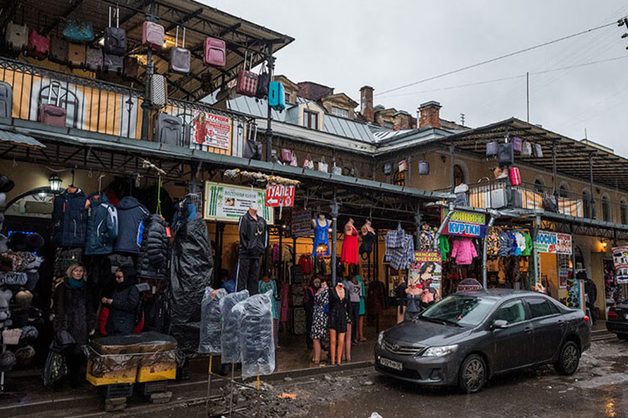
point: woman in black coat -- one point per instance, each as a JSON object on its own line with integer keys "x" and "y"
{"x": 123, "y": 303}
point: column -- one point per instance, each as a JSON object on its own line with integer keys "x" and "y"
{"x": 335, "y": 207}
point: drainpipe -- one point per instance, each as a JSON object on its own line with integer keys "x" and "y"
{"x": 417, "y": 224}
{"x": 270, "y": 63}
{"x": 452, "y": 181}
{"x": 535, "y": 253}
{"x": 442, "y": 226}
{"x": 335, "y": 207}
{"x": 484, "y": 255}
{"x": 146, "y": 105}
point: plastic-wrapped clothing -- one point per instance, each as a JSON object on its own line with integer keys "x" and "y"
{"x": 211, "y": 321}
{"x": 231, "y": 322}
{"x": 191, "y": 269}
{"x": 153, "y": 260}
{"x": 256, "y": 336}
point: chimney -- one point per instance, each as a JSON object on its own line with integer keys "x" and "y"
{"x": 429, "y": 115}
{"x": 402, "y": 120}
{"x": 366, "y": 103}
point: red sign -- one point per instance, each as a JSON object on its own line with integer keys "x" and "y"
{"x": 279, "y": 195}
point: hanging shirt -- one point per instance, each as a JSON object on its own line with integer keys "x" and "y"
{"x": 529, "y": 245}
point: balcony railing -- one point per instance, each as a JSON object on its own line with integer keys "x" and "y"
{"x": 113, "y": 109}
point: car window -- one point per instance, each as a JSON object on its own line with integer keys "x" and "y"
{"x": 464, "y": 310}
{"x": 541, "y": 307}
{"x": 512, "y": 312}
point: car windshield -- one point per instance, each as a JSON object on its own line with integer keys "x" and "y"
{"x": 464, "y": 310}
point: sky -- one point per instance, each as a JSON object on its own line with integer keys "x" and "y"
{"x": 351, "y": 43}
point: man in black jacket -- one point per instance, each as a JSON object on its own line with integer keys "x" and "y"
{"x": 253, "y": 242}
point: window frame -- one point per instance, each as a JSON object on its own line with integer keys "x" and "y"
{"x": 607, "y": 210}
{"x": 308, "y": 115}
{"x": 529, "y": 301}
{"x": 623, "y": 211}
{"x": 526, "y": 314}
{"x": 587, "y": 208}
{"x": 340, "y": 112}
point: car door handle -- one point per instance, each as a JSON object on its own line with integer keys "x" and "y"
{"x": 561, "y": 323}
{"x": 528, "y": 330}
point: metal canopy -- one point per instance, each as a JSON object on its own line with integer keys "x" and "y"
{"x": 243, "y": 38}
{"x": 572, "y": 157}
{"x": 19, "y": 139}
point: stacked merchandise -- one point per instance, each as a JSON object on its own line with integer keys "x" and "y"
{"x": 297, "y": 290}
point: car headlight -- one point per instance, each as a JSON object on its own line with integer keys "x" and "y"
{"x": 440, "y": 351}
{"x": 380, "y": 338}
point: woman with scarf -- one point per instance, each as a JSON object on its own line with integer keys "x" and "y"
{"x": 123, "y": 303}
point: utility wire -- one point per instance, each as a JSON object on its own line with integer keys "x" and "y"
{"x": 468, "y": 67}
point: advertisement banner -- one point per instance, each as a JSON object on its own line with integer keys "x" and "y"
{"x": 426, "y": 270}
{"x": 465, "y": 224}
{"x": 224, "y": 202}
{"x": 301, "y": 224}
{"x": 620, "y": 260}
{"x": 279, "y": 195}
{"x": 211, "y": 130}
{"x": 546, "y": 242}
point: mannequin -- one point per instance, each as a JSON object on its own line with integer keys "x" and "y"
{"x": 321, "y": 234}
{"x": 414, "y": 294}
{"x": 337, "y": 322}
{"x": 349, "y": 252}
{"x": 253, "y": 242}
{"x": 368, "y": 239}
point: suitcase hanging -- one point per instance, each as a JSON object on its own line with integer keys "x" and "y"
{"x": 276, "y": 96}
{"x": 491, "y": 148}
{"x": 52, "y": 114}
{"x": 6, "y": 100}
{"x": 179, "y": 57}
{"x": 424, "y": 168}
{"x": 113, "y": 63}
{"x": 158, "y": 91}
{"x": 505, "y": 154}
{"x": 153, "y": 35}
{"x": 131, "y": 67}
{"x": 93, "y": 59}
{"x": 247, "y": 80}
{"x": 263, "y": 82}
{"x": 515, "y": 176}
{"x": 168, "y": 129}
{"x": 215, "y": 52}
{"x": 517, "y": 144}
{"x": 16, "y": 36}
{"x": 115, "y": 38}
{"x": 76, "y": 55}
{"x": 59, "y": 49}
{"x": 38, "y": 45}
{"x": 206, "y": 82}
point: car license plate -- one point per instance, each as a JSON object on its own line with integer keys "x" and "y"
{"x": 391, "y": 364}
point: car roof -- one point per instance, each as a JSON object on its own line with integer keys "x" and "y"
{"x": 499, "y": 293}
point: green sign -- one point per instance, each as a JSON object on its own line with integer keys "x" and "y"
{"x": 224, "y": 202}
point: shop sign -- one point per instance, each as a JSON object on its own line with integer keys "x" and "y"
{"x": 563, "y": 244}
{"x": 465, "y": 224}
{"x": 224, "y": 202}
{"x": 620, "y": 259}
{"x": 211, "y": 130}
{"x": 467, "y": 285}
{"x": 426, "y": 270}
{"x": 551, "y": 242}
{"x": 301, "y": 225}
{"x": 279, "y": 195}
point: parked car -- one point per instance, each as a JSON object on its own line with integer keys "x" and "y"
{"x": 468, "y": 337}
{"x": 617, "y": 320}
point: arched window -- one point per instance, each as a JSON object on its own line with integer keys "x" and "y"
{"x": 63, "y": 98}
{"x": 459, "y": 176}
{"x": 606, "y": 208}
{"x": 623, "y": 210}
{"x": 399, "y": 178}
{"x": 586, "y": 204}
{"x": 563, "y": 190}
{"x": 539, "y": 186}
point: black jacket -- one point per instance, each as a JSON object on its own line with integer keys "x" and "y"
{"x": 153, "y": 259}
{"x": 73, "y": 312}
{"x": 121, "y": 320}
{"x": 69, "y": 218}
{"x": 253, "y": 236}
{"x": 131, "y": 216}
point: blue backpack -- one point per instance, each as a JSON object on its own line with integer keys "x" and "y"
{"x": 276, "y": 96}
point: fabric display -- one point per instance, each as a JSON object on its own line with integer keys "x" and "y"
{"x": 427, "y": 237}
{"x": 399, "y": 248}
{"x": 321, "y": 238}
{"x": 463, "y": 251}
{"x": 305, "y": 261}
{"x": 349, "y": 252}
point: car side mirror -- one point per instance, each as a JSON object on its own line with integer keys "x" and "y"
{"x": 499, "y": 324}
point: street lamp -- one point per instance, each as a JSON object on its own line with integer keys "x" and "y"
{"x": 55, "y": 182}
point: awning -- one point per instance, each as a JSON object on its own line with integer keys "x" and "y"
{"x": 19, "y": 139}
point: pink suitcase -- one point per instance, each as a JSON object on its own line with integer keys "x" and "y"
{"x": 52, "y": 114}
{"x": 515, "y": 176}
{"x": 215, "y": 52}
{"x": 153, "y": 35}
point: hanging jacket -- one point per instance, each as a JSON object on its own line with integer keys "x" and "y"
{"x": 463, "y": 251}
{"x": 504, "y": 244}
{"x": 69, "y": 219}
{"x": 102, "y": 225}
{"x": 529, "y": 245}
{"x": 253, "y": 236}
{"x": 521, "y": 243}
{"x": 131, "y": 216}
{"x": 493, "y": 243}
{"x": 153, "y": 260}
{"x": 444, "y": 246}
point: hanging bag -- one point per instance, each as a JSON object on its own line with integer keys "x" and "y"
{"x": 53, "y": 114}
{"x": 153, "y": 35}
{"x": 247, "y": 80}
{"x": 252, "y": 148}
{"x": 387, "y": 168}
{"x": 337, "y": 170}
{"x": 38, "y": 45}
{"x": 322, "y": 166}
{"x": 263, "y": 80}
{"x": 215, "y": 52}
{"x": 179, "y": 57}
{"x": 93, "y": 59}
{"x": 286, "y": 155}
{"x": 515, "y": 176}
{"x": 516, "y": 144}
{"x": 424, "y": 168}
{"x": 492, "y": 148}
{"x": 538, "y": 151}
{"x": 308, "y": 162}
{"x": 276, "y": 96}
{"x": 402, "y": 166}
{"x": 505, "y": 154}
{"x": 78, "y": 30}
{"x": 115, "y": 37}
{"x": 526, "y": 149}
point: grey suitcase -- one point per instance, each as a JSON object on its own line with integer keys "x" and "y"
{"x": 6, "y": 100}
{"x": 93, "y": 59}
{"x": 113, "y": 63}
{"x": 16, "y": 36}
{"x": 499, "y": 198}
{"x": 179, "y": 57}
{"x": 168, "y": 129}
{"x": 517, "y": 199}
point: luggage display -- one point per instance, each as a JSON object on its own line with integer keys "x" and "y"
{"x": 113, "y": 63}
{"x": 59, "y": 49}
{"x": 115, "y": 37}
{"x": 206, "y": 82}
{"x": 38, "y": 45}
{"x": 168, "y": 129}
{"x": 538, "y": 151}
{"x": 93, "y": 59}
{"x": 387, "y": 168}
{"x": 179, "y": 57}
{"x": 52, "y": 114}
{"x": 215, "y": 52}
{"x": 158, "y": 90}
{"x": 6, "y": 100}
{"x": 402, "y": 166}
{"x": 515, "y": 176}
{"x": 131, "y": 67}
{"x": 16, "y": 36}
{"x": 516, "y": 200}
{"x": 76, "y": 55}
{"x": 78, "y": 30}
{"x": 153, "y": 35}
{"x": 252, "y": 147}
{"x": 276, "y": 96}
{"x": 526, "y": 149}
{"x": 517, "y": 144}
{"x": 499, "y": 198}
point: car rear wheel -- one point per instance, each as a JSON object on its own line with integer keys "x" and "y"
{"x": 568, "y": 360}
{"x": 473, "y": 374}
{"x": 623, "y": 337}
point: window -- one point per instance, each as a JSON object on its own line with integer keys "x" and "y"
{"x": 586, "y": 204}
{"x": 310, "y": 119}
{"x": 511, "y": 312}
{"x": 399, "y": 179}
{"x": 459, "y": 177}
{"x": 541, "y": 307}
{"x": 539, "y": 186}
{"x": 462, "y": 309}
{"x": 623, "y": 210}
{"x": 606, "y": 208}
{"x": 338, "y": 111}
{"x": 562, "y": 191}
{"x": 287, "y": 97}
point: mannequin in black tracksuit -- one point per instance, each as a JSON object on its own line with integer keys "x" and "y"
{"x": 253, "y": 243}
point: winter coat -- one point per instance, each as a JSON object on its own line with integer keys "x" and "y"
{"x": 253, "y": 236}
{"x": 131, "y": 216}
{"x": 121, "y": 320}
{"x": 464, "y": 251}
{"x": 69, "y": 219}
{"x": 102, "y": 226}
{"x": 73, "y": 312}
{"x": 153, "y": 259}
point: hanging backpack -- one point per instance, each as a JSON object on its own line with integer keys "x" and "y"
{"x": 526, "y": 149}
{"x": 78, "y": 30}
{"x": 247, "y": 80}
{"x": 115, "y": 38}
{"x": 276, "y": 96}
{"x": 215, "y": 52}
{"x": 153, "y": 35}
{"x": 538, "y": 151}
{"x": 16, "y": 36}
{"x": 505, "y": 153}
{"x": 516, "y": 144}
{"x": 179, "y": 57}
{"x": 38, "y": 45}
{"x": 263, "y": 80}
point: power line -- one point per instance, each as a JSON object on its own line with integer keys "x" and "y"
{"x": 468, "y": 67}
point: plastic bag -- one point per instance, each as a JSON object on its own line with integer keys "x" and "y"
{"x": 231, "y": 318}
{"x": 211, "y": 321}
{"x": 257, "y": 336}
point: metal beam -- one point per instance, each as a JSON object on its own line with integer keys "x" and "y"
{"x": 73, "y": 6}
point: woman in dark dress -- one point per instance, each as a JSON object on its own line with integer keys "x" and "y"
{"x": 337, "y": 321}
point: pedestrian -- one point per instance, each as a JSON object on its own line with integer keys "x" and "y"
{"x": 337, "y": 321}
{"x": 590, "y": 291}
{"x": 123, "y": 303}
{"x": 362, "y": 311}
{"x": 308, "y": 302}
{"x": 74, "y": 313}
{"x": 320, "y": 318}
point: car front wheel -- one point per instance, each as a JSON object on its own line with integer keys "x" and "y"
{"x": 473, "y": 374}
{"x": 568, "y": 360}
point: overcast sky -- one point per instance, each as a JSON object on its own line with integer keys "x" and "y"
{"x": 349, "y": 43}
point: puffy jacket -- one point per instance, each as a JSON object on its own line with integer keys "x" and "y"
{"x": 131, "y": 216}
{"x": 69, "y": 218}
{"x": 464, "y": 251}
{"x": 102, "y": 225}
{"x": 153, "y": 260}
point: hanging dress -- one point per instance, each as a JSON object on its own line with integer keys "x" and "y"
{"x": 349, "y": 252}
{"x": 321, "y": 237}
{"x": 367, "y": 244}
{"x": 337, "y": 311}
{"x": 320, "y": 315}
